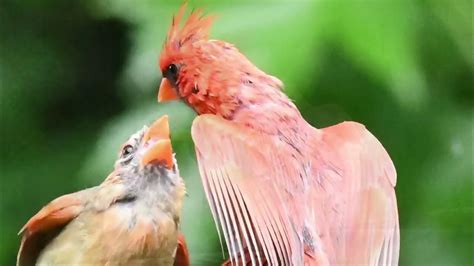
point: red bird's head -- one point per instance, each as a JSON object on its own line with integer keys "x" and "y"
{"x": 211, "y": 76}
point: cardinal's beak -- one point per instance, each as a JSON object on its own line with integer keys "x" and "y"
{"x": 166, "y": 91}
{"x": 158, "y": 144}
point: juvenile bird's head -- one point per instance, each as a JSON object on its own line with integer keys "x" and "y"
{"x": 210, "y": 76}
{"x": 146, "y": 161}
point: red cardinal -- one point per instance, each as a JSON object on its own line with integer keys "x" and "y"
{"x": 283, "y": 191}
{"x": 132, "y": 218}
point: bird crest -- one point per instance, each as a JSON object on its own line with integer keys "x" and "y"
{"x": 196, "y": 28}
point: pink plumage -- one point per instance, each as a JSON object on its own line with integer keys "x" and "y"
{"x": 282, "y": 191}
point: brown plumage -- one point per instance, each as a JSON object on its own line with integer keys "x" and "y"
{"x": 132, "y": 218}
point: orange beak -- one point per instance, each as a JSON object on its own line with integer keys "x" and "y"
{"x": 159, "y": 149}
{"x": 166, "y": 91}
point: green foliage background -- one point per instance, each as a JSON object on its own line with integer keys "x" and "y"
{"x": 78, "y": 77}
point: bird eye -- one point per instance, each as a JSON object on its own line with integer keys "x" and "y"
{"x": 171, "y": 72}
{"x": 173, "y": 69}
{"x": 127, "y": 150}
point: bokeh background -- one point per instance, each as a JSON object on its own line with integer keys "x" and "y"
{"x": 78, "y": 77}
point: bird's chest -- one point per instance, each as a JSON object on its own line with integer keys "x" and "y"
{"x": 146, "y": 232}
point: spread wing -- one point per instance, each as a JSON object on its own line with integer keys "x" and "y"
{"x": 45, "y": 225}
{"x": 282, "y": 205}
{"x": 363, "y": 220}
{"x": 182, "y": 253}
{"x": 251, "y": 188}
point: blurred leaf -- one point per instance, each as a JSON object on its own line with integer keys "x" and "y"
{"x": 457, "y": 18}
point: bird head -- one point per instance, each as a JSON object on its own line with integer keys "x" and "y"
{"x": 211, "y": 76}
{"x": 147, "y": 156}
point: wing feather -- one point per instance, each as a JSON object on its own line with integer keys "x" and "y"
{"x": 46, "y": 224}
{"x": 239, "y": 213}
{"x": 230, "y": 216}
{"x": 211, "y": 201}
{"x": 369, "y": 206}
{"x": 223, "y": 221}
{"x": 249, "y": 173}
{"x": 182, "y": 253}
{"x": 331, "y": 202}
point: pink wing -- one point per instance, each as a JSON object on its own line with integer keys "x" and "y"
{"x": 363, "y": 219}
{"x": 278, "y": 206}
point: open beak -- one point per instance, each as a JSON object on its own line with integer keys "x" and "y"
{"x": 166, "y": 91}
{"x": 158, "y": 144}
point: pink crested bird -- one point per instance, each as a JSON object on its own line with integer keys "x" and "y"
{"x": 282, "y": 191}
{"x": 132, "y": 218}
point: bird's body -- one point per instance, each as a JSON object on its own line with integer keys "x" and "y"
{"x": 132, "y": 218}
{"x": 283, "y": 192}
{"x": 136, "y": 232}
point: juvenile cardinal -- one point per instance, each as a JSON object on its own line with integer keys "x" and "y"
{"x": 132, "y": 218}
{"x": 283, "y": 191}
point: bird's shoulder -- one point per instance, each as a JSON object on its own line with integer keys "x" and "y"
{"x": 351, "y": 140}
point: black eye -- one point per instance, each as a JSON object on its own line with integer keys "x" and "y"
{"x": 171, "y": 73}
{"x": 127, "y": 150}
{"x": 173, "y": 69}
